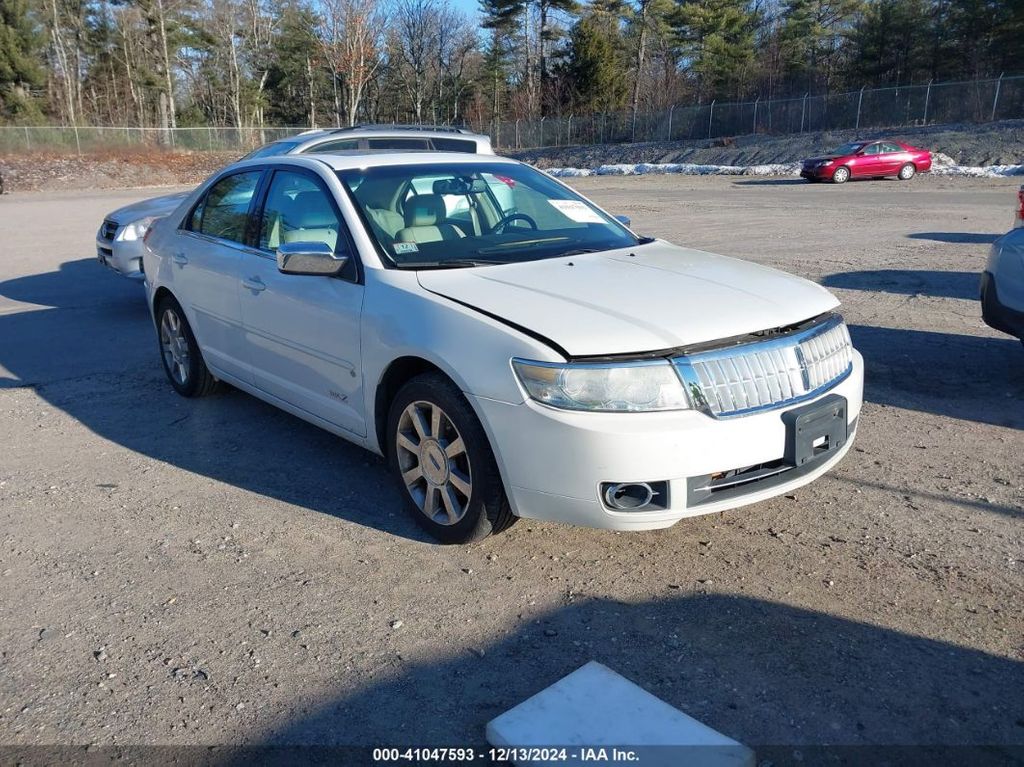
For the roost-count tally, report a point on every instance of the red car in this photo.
(868, 159)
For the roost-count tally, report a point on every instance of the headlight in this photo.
(613, 387)
(136, 230)
(824, 163)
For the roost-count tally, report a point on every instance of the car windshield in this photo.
(848, 148)
(468, 214)
(272, 149)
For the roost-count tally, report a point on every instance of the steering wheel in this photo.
(500, 226)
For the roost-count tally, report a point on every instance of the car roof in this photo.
(377, 158)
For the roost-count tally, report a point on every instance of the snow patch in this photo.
(942, 165)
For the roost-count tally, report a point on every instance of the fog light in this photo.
(635, 496)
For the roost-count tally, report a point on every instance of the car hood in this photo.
(825, 157)
(156, 206)
(654, 297)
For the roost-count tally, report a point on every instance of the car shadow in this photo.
(974, 378)
(761, 672)
(86, 344)
(909, 282)
(961, 238)
(772, 182)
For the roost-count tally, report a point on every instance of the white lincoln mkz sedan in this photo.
(512, 349)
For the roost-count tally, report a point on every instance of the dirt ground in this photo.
(218, 572)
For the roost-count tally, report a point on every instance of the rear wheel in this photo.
(907, 172)
(440, 455)
(841, 175)
(183, 362)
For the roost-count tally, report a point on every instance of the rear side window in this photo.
(891, 148)
(398, 143)
(454, 145)
(224, 210)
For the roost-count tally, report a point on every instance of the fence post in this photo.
(927, 98)
(518, 146)
(541, 142)
(78, 141)
(995, 101)
(671, 109)
(28, 141)
(711, 116)
(568, 131)
(803, 112)
(756, 102)
(860, 98)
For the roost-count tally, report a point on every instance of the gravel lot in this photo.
(217, 572)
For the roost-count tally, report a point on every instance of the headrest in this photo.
(424, 210)
(376, 193)
(311, 210)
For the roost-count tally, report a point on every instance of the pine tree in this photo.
(596, 65)
(717, 36)
(19, 61)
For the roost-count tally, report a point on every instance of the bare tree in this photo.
(351, 39)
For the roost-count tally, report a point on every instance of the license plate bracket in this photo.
(816, 430)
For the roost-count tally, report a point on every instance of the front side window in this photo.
(272, 150)
(873, 149)
(335, 146)
(224, 210)
(437, 215)
(298, 209)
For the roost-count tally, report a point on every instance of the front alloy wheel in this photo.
(434, 463)
(441, 456)
(183, 361)
(841, 175)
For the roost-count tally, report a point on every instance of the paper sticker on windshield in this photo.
(577, 211)
(406, 247)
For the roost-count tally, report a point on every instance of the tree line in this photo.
(175, 63)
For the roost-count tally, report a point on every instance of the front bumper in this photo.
(823, 172)
(554, 462)
(122, 256)
(996, 314)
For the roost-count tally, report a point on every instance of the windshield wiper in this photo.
(449, 263)
(646, 240)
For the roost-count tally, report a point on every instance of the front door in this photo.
(302, 331)
(205, 260)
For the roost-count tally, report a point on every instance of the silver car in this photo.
(1002, 285)
(119, 239)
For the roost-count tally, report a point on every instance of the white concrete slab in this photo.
(594, 708)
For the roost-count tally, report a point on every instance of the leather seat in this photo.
(309, 218)
(376, 197)
(425, 221)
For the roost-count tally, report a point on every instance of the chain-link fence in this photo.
(934, 103)
(976, 101)
(90, 138)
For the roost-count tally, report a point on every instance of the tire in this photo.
(457, 497)
(907, 172)
(841, 175)
(180, 354)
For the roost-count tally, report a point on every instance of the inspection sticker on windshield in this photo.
(577, 211)
(406, 247)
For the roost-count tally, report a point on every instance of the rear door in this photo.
(302, 331)
(891, 157)
(205, 264)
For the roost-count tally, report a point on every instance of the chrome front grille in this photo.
(109, 229)
(768, 374)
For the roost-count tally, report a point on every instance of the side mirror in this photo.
(624, 220)
(309, 258)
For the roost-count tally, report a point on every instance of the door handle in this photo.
(254, 283)
(179, 258)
